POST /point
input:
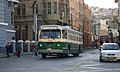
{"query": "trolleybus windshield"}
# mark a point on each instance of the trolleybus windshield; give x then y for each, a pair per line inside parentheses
(50, 34)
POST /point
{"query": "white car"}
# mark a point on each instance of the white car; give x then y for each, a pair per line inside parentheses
(109, 52)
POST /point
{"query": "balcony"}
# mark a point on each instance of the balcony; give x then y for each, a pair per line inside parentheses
(14, 2)
(25, 18)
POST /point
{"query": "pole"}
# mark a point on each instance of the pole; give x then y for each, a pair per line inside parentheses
(83, 35)
(62, 17)
(35, 21)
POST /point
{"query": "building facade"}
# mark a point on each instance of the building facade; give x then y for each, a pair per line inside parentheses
(59, 12)
(81, 14)
(7, 31)
(74, 14)
(87, 26)
(49, 12)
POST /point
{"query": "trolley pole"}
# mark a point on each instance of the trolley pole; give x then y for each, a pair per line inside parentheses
(35, 20)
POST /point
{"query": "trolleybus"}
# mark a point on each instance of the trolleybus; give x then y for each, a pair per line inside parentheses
(59, 40)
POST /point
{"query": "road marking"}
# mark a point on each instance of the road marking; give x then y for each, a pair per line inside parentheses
(70, 67)
(92, 67)
(74, 66)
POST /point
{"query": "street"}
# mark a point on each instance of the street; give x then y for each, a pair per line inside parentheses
(86, 62)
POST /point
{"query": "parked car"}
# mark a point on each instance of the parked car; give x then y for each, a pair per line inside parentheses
(109, 52)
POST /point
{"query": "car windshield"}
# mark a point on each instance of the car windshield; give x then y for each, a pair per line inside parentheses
(110, 47)
(50, 34)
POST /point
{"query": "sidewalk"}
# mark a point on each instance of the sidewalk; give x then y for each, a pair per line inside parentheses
(2, 55)
(83, 51)
(86, 49)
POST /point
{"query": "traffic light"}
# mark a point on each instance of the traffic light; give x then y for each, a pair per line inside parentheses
(36, 5)
(36, 8)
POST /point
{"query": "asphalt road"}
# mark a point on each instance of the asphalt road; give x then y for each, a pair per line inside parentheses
(86, 62)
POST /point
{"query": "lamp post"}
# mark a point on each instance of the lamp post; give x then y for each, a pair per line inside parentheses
(35, 21)
(83, 35)
(62, 17)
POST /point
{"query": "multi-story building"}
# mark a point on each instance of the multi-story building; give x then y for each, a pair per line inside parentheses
(87, 26)
(7, 31)
(49, 12)
(24, 19)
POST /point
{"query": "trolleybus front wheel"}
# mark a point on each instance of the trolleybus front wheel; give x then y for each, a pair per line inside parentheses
(77, 54)
(43, 55)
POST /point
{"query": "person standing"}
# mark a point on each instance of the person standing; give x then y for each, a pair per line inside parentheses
(34, 50)
(7, 49)
(19, 49)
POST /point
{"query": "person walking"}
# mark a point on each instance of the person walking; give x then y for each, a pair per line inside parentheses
(19, 49)
(7, 49)
(34, 50)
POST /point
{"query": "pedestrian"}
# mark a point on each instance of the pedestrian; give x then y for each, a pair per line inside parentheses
(7, 49)
(19, 49)
(34, 50)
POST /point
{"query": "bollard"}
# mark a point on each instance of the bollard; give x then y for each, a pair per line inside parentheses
(13, 42)
(28, 45)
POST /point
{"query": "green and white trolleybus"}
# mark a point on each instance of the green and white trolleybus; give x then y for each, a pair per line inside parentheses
(59, 40)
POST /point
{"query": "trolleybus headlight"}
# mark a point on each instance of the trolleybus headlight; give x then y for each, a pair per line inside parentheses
(58, 44)
(40, 44)
(104, 54)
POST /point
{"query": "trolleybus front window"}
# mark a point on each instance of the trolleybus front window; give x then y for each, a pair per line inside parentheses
(44, 34)
(50, 34)
(55, 34)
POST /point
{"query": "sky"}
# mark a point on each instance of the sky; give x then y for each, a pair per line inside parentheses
(102, 3)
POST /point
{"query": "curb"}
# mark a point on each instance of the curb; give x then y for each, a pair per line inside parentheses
(88, 49)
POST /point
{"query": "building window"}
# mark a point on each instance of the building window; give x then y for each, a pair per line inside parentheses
(44, 5)
(60, 11)
(12, 18)
(23, 9)
(55, 7)
(18, 10)
(49, 7)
